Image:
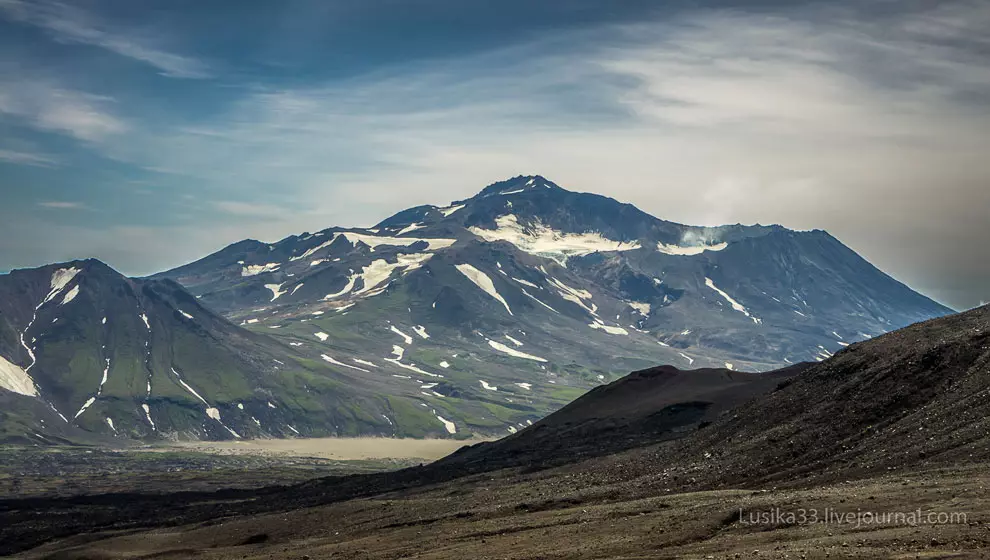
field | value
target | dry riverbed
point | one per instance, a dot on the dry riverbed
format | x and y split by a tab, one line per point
338	449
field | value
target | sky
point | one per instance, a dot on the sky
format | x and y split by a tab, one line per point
149	134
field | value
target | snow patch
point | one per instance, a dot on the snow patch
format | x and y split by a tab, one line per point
71	295
486	386
184	314
145	319
450	210
608	328
410	228
342	364
643	309
527	386
514	341
686	357
421	331
60	279
482	280
15	379
541	240
681	250
534	298
574	295
735	304
513	352
373	241
89	402
188	388
445	364
256	269
451	427
276	289
525	282
147	415
404	336
322	336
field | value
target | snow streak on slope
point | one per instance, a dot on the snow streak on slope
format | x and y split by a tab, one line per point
513	352
347	287
60	279
599	325
421	331
450	426
482	280
211	411
735	304
342	364
541	240
256	269
410	228
147	415
574	295
408	339
450	210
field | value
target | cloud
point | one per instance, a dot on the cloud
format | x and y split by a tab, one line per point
250	210
70	24
63	205
27	158
871	127
48	107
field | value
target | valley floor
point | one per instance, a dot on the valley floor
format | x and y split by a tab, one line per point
340	449
563	513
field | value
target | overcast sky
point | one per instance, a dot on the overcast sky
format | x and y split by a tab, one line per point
151	133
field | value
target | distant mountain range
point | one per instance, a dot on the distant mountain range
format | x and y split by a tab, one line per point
478	317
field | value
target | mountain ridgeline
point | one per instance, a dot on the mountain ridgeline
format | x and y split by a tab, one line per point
478	317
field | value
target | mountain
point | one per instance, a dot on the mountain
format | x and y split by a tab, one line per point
84	350
543	293
475	318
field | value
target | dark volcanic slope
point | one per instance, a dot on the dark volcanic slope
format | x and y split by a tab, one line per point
642	408
919	396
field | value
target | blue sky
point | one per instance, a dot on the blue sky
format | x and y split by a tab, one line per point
149	134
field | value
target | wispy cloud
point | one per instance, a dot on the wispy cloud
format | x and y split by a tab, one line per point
48	107
809	118
250	210
27	158
63	205
71	24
